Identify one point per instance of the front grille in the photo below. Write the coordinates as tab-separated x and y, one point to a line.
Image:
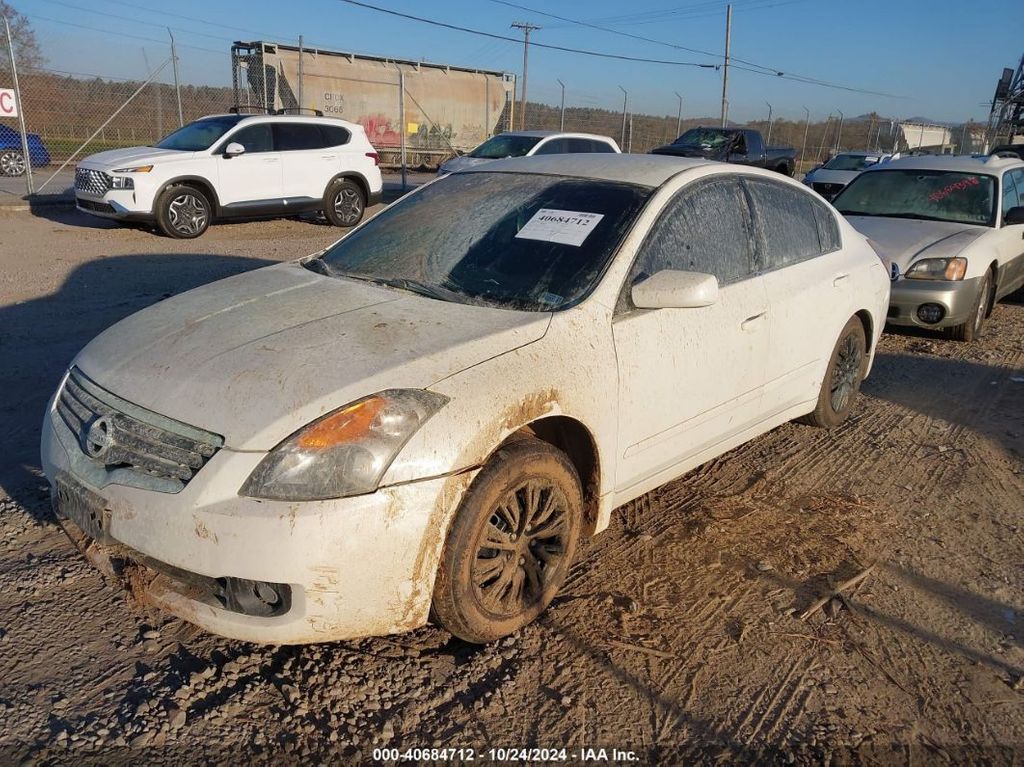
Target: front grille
115	434
828	190
99	207
92	181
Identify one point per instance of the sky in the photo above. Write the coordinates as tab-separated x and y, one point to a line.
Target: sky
939	59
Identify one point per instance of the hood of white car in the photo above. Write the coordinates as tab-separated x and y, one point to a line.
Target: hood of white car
904	240
132	156
462	163
259	355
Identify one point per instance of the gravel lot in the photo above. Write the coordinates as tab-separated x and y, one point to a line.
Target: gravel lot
678	636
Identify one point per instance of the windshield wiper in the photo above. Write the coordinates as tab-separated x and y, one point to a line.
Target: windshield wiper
920	216
419	288
856	212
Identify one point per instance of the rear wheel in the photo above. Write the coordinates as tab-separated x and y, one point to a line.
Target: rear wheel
183	212
842	378
344	202
12	163
510	547
971	329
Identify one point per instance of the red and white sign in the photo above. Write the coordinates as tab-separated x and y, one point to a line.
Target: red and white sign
8	104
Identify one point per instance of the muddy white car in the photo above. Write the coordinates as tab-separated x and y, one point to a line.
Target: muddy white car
952	229
425	418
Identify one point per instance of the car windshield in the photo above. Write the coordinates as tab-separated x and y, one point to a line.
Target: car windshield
503	146
850	162
930	195
707	138
526	242
200	135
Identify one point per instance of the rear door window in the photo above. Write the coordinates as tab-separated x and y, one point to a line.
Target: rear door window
577	145
785	223
292	137
601	146
1011	192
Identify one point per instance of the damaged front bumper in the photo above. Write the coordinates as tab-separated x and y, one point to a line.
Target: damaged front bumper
257	570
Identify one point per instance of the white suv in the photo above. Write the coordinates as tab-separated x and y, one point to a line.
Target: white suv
235	165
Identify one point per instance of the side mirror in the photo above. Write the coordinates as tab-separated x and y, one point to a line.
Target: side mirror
1014	216
671	289
234	149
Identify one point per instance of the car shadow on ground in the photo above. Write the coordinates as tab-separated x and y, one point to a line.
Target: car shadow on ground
959	391
39	338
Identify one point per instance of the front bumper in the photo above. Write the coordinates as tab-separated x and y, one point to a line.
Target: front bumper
118	204
353	567
957	300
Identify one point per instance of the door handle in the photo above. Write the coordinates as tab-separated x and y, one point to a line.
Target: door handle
750	322
328	157
839	278
270	159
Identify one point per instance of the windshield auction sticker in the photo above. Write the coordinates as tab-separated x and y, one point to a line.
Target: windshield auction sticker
566	227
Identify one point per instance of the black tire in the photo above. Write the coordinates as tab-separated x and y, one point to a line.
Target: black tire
971	329
482	592
12	163
183	212
784	169
344	202
843	375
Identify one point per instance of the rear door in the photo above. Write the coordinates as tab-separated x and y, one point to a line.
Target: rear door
307	164
1010	239
252	177
811	283
691	378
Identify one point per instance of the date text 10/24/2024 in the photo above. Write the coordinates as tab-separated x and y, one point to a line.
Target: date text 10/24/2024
529	755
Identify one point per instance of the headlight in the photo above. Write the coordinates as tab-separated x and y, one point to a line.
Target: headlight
137	169
121	182
345	452
938	269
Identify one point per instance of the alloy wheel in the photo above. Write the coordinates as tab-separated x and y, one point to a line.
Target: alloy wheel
845	373
12	163
349	206
522	544
187	214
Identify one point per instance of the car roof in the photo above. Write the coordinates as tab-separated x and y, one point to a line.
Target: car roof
302	118
962	163
549	133
645	169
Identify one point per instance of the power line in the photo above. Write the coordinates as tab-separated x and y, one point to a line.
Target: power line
494	36
772	71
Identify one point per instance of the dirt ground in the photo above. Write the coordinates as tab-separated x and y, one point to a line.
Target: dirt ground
677	638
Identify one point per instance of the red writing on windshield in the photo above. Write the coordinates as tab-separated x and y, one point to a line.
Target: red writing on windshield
956	186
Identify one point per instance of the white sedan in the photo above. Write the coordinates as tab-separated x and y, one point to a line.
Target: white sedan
425	418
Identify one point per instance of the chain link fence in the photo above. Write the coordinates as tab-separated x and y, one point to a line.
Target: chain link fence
415	114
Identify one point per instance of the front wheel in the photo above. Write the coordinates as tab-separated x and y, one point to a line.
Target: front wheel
510	547
183	212
842	378
344	202
971	329
12	163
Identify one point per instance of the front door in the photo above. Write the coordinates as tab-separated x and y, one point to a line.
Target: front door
253	178
691	378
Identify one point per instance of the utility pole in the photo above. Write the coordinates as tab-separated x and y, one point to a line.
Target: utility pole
561	120
177	82
807	124
527	28
679	116
300	84
625	109
725	68
768	138
839	133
